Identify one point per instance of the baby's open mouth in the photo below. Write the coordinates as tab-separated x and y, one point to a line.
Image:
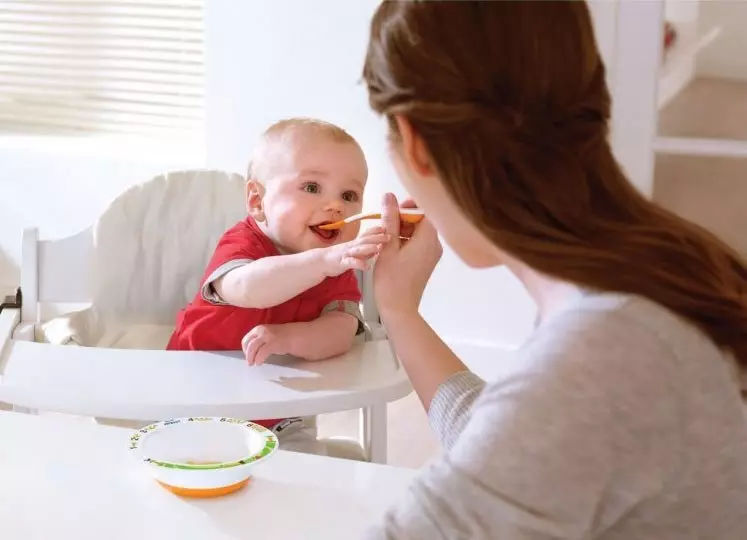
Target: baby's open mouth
325	235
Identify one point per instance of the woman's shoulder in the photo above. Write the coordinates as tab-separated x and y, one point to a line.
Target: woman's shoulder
609	323
597	345
620	341
626	322
613	370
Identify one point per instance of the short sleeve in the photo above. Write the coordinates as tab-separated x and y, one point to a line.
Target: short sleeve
344	287
237	247
344	295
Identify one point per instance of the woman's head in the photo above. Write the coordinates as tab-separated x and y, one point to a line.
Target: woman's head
504	102
499	113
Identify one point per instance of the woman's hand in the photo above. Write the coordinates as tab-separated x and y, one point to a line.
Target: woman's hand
406	262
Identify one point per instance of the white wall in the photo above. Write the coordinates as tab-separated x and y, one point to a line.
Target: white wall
62	186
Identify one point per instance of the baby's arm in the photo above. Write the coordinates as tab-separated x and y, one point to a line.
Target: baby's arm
270	281
334	331
331	334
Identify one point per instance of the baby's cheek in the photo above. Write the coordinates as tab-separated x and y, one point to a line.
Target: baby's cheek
291	219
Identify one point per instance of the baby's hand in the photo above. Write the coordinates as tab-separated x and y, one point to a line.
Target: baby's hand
354	254
265	340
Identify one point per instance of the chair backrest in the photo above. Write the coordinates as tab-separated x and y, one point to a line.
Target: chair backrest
152	244
143	259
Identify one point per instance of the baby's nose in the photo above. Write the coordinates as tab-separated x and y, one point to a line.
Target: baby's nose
334	205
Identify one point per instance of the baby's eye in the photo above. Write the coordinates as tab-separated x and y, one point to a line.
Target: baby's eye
312	187
350	196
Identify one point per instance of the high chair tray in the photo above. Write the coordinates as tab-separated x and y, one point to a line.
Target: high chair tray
144	384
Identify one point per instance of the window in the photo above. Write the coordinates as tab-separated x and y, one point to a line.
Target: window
95	67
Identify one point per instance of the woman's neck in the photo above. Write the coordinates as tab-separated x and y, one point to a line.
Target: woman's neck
549	294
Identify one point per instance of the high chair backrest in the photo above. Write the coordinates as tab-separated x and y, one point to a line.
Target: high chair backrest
143	259
144	256
152	244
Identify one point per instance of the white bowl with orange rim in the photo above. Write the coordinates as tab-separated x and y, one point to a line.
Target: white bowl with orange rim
203	456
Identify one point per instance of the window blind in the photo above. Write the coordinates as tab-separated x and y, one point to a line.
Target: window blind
84	67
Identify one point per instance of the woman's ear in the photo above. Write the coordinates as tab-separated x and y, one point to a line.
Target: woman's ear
254	193
414	151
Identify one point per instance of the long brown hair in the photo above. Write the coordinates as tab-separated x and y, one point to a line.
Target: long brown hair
511	101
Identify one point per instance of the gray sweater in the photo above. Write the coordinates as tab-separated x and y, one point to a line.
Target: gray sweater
617	421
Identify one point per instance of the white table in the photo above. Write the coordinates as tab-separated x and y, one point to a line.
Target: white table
145	385
67	479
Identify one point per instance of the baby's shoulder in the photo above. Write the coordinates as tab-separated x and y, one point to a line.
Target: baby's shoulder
245	236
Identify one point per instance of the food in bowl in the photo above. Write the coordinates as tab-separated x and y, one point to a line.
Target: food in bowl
203	456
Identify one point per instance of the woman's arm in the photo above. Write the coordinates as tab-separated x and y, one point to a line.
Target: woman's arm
443	383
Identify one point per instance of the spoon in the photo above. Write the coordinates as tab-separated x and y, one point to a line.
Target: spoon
407	215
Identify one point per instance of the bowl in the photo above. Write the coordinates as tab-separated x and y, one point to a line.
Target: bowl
203	456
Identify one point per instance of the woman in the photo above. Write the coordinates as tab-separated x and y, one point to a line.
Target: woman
622	417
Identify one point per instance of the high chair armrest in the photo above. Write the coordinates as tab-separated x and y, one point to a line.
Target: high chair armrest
9	319
368	302
375	331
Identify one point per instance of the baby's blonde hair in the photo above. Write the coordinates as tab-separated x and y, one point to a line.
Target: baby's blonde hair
282	131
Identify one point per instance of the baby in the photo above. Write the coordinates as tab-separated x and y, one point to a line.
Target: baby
277	283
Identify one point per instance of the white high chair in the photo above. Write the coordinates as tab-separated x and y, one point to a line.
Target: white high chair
115	289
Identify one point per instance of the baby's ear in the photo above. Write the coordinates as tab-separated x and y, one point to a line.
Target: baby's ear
254	193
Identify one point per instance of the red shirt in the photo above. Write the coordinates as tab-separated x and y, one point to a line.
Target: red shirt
214	326
209	326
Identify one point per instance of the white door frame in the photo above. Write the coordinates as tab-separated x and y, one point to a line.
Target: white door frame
634	85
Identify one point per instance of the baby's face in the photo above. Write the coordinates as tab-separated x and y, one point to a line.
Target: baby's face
312	181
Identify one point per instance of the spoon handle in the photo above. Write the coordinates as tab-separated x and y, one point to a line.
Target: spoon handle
407	215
